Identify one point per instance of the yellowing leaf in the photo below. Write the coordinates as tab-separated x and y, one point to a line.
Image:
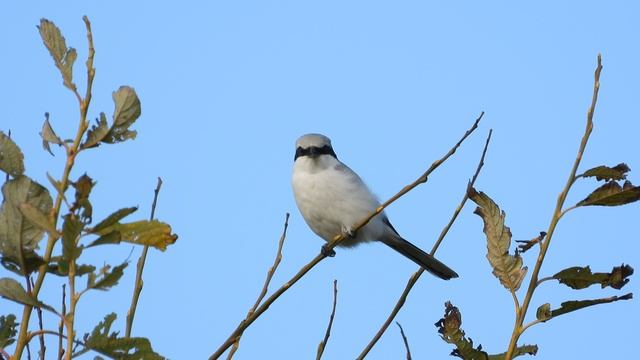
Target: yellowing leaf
581	277
617	172
152	233
62	56
507	268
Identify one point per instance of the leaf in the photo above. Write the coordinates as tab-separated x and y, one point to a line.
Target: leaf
544	312
48	135
83	187
11	158
97	132
569	306
37	218
617	172
152	233
17	231
507	268
106	279
8	330
581	277
32	261
114	218
71	230
113	237
55	183
612	194
107	343
12	290
62	269
62	56
127	110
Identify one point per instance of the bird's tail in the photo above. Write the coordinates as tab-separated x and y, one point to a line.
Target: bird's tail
426	261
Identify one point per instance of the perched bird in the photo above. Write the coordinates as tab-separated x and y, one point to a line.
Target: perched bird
333	199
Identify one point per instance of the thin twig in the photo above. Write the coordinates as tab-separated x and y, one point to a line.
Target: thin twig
61	326
325	340
414	278
267	281
137	289
329	246
406	342
43	348
533	282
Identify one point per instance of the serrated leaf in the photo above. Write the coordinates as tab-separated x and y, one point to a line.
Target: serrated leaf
617	172
71	230
8	330
569	306
114	218
17	231
106	278
544	312
449	328
48	135
11	158
127	110
612	194
10	289
581	277
61	268
97	132
152	233
107	343
63	57
37	218
507	268
83	187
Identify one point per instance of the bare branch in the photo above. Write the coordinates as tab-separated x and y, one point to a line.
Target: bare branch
406	342
329	246
414	278
324	341
140	268
267	281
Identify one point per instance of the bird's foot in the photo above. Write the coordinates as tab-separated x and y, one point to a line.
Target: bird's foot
326	251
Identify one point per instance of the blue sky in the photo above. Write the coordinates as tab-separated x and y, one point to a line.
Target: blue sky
227	87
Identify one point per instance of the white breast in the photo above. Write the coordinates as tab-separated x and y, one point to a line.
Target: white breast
333	199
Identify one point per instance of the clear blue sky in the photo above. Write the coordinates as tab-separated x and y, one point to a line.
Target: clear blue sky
227	87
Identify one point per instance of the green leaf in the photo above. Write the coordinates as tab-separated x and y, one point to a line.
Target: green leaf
17	231
71	230
581	277
11	158
113	218
62	56
127	110
114	237
569	306
83	187
8	330
48	135
107	343
32	261
61	268
152	233
106	279
507	268
612	194
37	218
12	290
617	172
97	132
544	312
55	183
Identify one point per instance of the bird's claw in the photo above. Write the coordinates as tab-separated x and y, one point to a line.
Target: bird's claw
326	251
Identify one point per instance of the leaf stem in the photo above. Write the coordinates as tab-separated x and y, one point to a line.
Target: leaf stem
518	329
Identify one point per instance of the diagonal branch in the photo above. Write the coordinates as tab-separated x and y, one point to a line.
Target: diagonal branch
414	278
140	268
404	339
324	341
329	246
267	281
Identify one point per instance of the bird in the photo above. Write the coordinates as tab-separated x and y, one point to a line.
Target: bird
333	199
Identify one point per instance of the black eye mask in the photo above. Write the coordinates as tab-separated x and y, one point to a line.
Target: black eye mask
313	151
